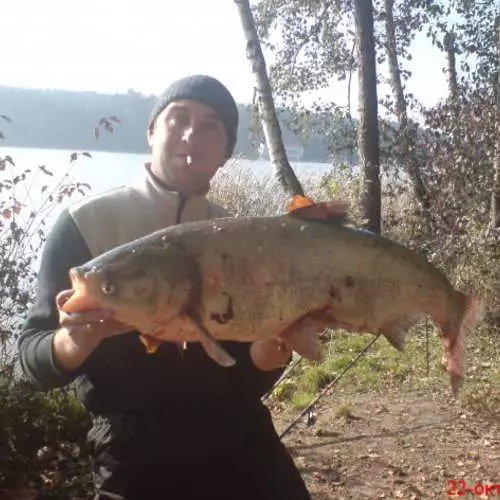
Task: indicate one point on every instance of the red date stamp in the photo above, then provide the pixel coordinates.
(460, 488)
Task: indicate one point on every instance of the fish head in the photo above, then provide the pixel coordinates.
(142, 286)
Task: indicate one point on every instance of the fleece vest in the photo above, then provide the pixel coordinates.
(123, 214)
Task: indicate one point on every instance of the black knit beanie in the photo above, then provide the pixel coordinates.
(206, 90)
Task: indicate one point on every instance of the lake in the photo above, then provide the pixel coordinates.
(106, 170)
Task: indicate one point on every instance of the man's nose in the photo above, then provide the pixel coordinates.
(189, 133)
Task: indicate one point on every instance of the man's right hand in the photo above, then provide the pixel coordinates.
(81, 333)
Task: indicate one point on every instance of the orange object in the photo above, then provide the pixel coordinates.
(299, 201)
(305, 208)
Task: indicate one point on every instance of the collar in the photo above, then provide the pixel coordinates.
(175, 206)
(161, 185)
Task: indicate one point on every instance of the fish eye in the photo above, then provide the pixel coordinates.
(108, 288)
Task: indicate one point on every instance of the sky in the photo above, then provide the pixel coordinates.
(114, 46)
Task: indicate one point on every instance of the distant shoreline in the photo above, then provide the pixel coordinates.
(66, 120)
(3, 145)
(145, 153)
(115, 151)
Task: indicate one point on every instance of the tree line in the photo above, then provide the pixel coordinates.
(61, 119)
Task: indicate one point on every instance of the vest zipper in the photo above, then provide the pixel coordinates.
(180, 208)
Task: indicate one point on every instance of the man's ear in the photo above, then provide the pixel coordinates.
(150, 133)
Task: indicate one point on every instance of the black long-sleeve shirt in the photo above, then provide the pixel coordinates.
(171, 403)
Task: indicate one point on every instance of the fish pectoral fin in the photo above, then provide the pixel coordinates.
(303, 338)
(213, 349)
(395, 333)
(150, 343)
(307, 348)
(304, 208)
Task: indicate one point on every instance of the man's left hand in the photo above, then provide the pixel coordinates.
(269, 354)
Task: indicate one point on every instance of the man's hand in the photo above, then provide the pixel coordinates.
(269, 354)
(81, 333)
(92, 326)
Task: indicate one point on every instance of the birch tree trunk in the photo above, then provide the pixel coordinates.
(495, 193)
(449, 46)
(271, 127)
(368, 133)
(406, 138)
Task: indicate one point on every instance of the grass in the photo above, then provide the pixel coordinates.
(345, 412)
(302, 399)
(482, 392)
(384, 368)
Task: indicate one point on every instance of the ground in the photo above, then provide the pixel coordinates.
(388, 428)
(409, 444)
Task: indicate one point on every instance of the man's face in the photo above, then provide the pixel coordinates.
(188, 144)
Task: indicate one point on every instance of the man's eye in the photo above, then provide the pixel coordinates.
(211, 128)
(178, 120)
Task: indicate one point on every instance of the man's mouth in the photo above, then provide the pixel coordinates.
(186, 158)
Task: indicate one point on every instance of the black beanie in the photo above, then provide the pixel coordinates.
(206, 90)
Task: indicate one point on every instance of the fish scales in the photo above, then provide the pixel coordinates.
(267, 291)
(322, 273)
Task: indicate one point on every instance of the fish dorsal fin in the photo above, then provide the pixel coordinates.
(304, 208)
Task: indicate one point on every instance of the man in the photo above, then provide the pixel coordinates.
(172, 424)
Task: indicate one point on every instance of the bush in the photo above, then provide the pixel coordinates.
(42, 442)
(42, 436)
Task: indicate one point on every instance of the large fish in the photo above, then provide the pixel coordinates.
(250, 278)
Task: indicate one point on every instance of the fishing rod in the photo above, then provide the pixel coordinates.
(328, 387)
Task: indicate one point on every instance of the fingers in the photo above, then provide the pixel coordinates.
(93, 324)
(95, 316)
(62, 297)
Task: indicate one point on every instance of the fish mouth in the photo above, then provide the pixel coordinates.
(82, 299)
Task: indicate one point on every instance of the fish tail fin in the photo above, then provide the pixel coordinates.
(470, 315)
